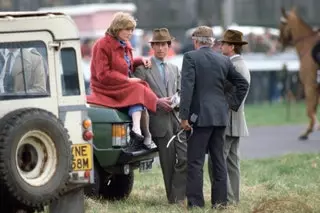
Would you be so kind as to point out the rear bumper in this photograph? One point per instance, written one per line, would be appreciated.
(131, 157)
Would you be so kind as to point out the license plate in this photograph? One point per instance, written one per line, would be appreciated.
(145, 165)
(81, 157)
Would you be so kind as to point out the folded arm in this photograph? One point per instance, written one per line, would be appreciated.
(241, 85)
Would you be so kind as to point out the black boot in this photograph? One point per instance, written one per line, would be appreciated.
(136, 142)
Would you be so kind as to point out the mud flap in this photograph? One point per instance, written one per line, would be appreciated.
(71, 202)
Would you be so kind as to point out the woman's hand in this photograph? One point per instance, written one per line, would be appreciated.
(134, 80)
(147, 62)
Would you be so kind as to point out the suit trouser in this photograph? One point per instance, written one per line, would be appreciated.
(173, 161)
(231, 154)
(203, 138)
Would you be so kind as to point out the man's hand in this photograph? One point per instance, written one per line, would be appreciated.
(165, 104)
(147, 62)
(134, 79)
(185, 125)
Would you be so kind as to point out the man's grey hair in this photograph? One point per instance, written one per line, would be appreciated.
(204, 40)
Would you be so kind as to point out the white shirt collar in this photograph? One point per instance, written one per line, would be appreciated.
(235, 55)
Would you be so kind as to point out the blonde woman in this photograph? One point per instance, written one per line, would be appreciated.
(111, 82)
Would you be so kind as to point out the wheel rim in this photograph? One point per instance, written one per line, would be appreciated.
(36, 158)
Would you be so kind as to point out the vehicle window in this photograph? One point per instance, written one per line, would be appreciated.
(69, 76)
(23, 70)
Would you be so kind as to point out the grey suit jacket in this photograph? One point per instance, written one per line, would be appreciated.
(238, 125)
(34, 72)
(203, 77)
(161, 121)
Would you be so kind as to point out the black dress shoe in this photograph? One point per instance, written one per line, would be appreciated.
(136, 136)
(136, 142)
(134, 145)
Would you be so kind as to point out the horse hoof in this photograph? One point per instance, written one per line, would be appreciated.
(303, 137)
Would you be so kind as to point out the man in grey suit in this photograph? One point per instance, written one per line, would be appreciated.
(164, 80)
(26, 60)
(203, 76)
(231, 46)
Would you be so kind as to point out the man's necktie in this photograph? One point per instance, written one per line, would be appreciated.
(8, 81)
(2, 62)
(163, 72)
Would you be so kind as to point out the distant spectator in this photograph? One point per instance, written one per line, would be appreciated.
(146, 46)
(176, 46)
(86, 49)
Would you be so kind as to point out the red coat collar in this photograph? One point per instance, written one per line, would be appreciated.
(115, 44)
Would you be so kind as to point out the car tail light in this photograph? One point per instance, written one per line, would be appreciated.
(87, 130)
(87, 135)
(87, 174)
(119, 135)
(86, 123)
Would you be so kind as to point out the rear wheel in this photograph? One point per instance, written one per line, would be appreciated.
(110, 186)
(118, 186)
(35, 156)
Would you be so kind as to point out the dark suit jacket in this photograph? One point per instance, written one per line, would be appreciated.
(203, 77)
(161, 121)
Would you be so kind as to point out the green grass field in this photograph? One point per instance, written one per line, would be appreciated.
(288, 184)
(281, 185)
(276, 114)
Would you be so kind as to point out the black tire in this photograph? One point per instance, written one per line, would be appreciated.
(110, 186)
(117, 187)
(9, 204)
(16, 156)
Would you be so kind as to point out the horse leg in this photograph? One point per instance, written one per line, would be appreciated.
(312, 96)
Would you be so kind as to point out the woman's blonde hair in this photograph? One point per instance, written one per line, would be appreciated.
(121, 21)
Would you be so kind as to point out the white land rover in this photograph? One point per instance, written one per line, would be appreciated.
(45, 132)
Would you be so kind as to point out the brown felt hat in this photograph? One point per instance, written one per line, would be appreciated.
(203, 31)
(233, 37)
(161, 35)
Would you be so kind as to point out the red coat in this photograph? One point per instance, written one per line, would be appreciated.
(110, 85)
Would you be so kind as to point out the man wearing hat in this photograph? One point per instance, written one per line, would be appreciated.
(203, 77)
(164, 80)
(231, 46)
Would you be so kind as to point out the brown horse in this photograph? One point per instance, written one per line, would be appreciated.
(294, 31)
